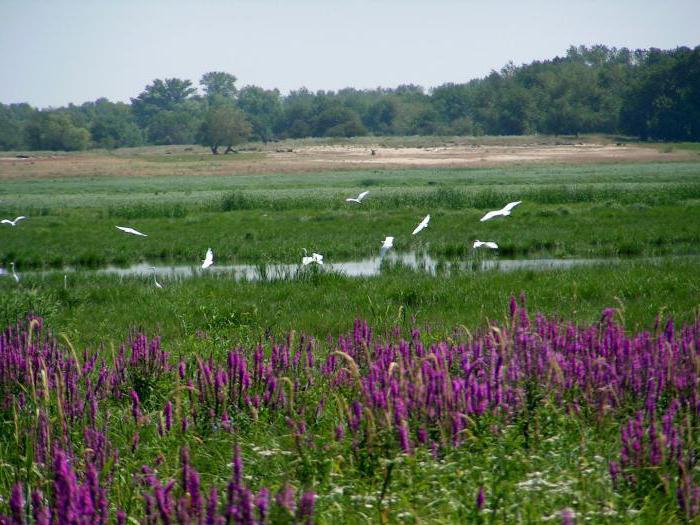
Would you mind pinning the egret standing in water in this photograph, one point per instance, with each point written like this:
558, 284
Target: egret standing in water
505, 211
208, 259
423, 224
359, 198
158, 285
315, 258
14, 273
13, 223
487, 244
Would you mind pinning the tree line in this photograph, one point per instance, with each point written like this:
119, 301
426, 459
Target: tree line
650, 94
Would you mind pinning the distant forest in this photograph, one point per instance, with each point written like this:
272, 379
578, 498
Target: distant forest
651, 94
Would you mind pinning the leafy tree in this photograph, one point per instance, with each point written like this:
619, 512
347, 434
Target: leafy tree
381, 116
161, 95
263, 108
224, 125
113, 125
13, 118
219, 83
53, 130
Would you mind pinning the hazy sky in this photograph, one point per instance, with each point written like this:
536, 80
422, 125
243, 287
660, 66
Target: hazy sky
53, 52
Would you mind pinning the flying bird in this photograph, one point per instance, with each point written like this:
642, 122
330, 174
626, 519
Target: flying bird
14, 273
13, 223
158, 285
505, 211
359, 198
208, 259
386, 246
423, 224
131, 231
487, 244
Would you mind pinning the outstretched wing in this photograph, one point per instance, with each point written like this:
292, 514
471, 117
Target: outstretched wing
491, 245
362, 195
351, 200
131, 231
20, 218
511, 205
6, 221
208, 259
490, 215
423, 224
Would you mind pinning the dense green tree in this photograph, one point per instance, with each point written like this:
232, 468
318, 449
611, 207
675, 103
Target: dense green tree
53, 130
161, 95
219, 84
112, 125
263, 109
224, 125
13, 118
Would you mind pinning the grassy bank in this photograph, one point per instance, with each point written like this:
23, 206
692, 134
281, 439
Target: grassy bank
583, 211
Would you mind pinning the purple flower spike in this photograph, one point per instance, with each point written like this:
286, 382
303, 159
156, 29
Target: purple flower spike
306, 508
480, 499
17, 504
39, 510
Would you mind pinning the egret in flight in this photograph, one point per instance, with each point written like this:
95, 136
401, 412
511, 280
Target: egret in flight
208, 259
13, 223
386, 246
423, 224
158, 285
359, 198
487, 244
131, 231
14, 273
504, 211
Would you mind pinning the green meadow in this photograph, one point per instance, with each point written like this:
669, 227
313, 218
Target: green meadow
534, 462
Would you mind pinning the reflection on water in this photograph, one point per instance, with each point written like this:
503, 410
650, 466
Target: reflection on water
359, 268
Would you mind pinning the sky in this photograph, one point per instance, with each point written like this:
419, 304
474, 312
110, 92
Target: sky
53, 52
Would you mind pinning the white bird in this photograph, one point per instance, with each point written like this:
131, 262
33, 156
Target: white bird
423, 224
131, 231
158, 285
504, 211
487, 244
13, 223
208, 259
315, 258
386, 246
359, 198
14, 273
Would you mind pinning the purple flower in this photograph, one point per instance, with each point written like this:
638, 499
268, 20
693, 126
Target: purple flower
306, 508
262, 502
135, 406
39, 510
480, 498
17, 504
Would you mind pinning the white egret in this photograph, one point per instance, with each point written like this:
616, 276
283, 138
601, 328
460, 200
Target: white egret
359, 198
504, 211
208, 259
487, 244
314, 258
386, 246
158, 285
126, 229
423, 224
14, 273
13, 223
